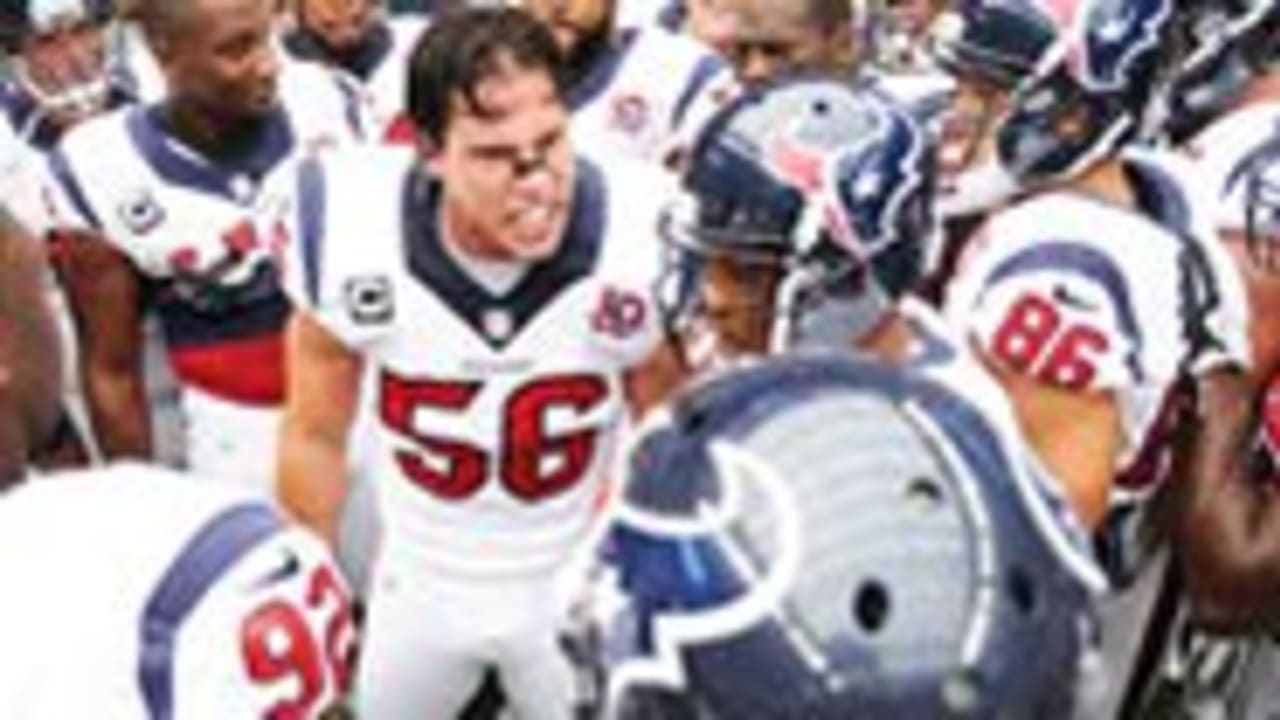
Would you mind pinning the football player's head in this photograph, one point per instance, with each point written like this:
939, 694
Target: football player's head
772, 38
62, 54
711, 21
805, 210
340, 27
485, 95
30, 358
217, 56
580, 27
895, 33
824, 537
1044, 89
1219, 46
251, 620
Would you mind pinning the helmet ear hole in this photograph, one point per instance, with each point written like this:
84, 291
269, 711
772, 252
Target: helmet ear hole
1023, 591
872, 606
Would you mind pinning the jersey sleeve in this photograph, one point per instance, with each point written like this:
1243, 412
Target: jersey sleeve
626, 319
315, 273
1059, 311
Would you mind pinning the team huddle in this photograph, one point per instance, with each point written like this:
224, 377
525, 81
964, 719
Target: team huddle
639, 359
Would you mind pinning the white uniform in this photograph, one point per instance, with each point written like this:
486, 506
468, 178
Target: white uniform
649, 94
497, 416
1223, 153
187, 226
132, 592
382, 69
22, 182
1091, 296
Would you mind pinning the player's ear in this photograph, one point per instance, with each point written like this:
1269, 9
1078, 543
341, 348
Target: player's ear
428, 152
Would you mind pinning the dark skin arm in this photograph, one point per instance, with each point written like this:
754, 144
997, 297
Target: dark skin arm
1226, 525
105, 294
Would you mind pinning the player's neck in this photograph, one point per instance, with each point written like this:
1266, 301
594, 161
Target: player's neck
890, 340
1107, 181
214, 137
1263, 88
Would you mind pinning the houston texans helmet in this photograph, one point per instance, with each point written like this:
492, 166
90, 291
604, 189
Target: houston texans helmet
1220, 46
62, 52
806, 203
818, 536
1077, 78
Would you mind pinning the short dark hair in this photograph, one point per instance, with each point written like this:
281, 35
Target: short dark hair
465, 47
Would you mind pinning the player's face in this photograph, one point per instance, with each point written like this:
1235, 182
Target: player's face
772, 38
65, 67
341, 24
224, 61
571, 21
507, 167
712, 22
969, 126
737, 301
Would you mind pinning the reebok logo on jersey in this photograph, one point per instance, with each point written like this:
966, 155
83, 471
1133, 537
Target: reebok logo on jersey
1064, 295
369, 300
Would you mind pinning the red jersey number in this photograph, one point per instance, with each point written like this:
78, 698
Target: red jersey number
532, 464
1034, 339
278, 646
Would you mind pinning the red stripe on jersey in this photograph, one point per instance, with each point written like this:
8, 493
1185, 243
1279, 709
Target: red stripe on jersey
249, 371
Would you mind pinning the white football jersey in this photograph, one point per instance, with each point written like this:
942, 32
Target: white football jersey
187, 226
496, 413
24, 182
1224, 154
383, 71
133, 592
1091, 296
649, 94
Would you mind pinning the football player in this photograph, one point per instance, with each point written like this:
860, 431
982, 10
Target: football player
134, 592
1097, 335
640, 91
65, 66
165, 196
357, 36
804, 222
772, 38
494, 288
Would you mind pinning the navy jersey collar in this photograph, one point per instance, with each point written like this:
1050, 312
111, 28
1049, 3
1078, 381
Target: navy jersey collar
602, 72
362, 61
181, 166
435, 268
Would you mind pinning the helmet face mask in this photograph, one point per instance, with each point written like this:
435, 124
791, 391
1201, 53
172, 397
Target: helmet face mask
64, 58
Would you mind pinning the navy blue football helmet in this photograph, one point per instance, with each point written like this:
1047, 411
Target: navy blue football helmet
814, 194
1221, 46
1080, 75
1259, 179
823, 537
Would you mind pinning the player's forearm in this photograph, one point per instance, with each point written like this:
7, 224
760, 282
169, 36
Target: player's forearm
1227, 527
120, 415
311, 480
